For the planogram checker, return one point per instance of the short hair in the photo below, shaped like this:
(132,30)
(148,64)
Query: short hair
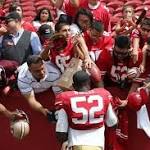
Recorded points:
(37,18)
(98,26)
(65,18)
(81,78)
(13,7)
(145,21)
(83,11)
(59,25)
(33,59)
(122,41)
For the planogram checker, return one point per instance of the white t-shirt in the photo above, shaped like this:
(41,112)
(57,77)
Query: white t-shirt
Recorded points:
(27,83)
(37,24)
(93,137)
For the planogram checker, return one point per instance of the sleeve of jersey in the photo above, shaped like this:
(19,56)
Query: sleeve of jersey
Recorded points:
(59,102)
(104,62)
(62,121)
(111,118)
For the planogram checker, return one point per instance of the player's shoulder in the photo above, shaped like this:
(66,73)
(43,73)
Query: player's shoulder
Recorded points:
(107,97)
(66,94)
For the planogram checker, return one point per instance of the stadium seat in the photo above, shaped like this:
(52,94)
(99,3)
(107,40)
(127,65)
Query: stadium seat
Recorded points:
(140,8)
(111,10)
(39,3)
(27,3)
(118,10)
(29,13)
(115,4)
(28,8)
(118,15)
(146,2)
(134,3)
(42,6)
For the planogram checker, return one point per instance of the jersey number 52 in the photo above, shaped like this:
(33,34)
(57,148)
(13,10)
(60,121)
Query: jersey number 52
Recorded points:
(88,113)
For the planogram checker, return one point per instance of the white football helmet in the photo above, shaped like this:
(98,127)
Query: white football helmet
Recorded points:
(19,127)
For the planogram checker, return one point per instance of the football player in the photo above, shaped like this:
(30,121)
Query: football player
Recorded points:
(63,56)
(83,113)
(119,72)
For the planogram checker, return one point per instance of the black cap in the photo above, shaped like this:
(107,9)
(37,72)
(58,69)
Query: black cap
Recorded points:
(81,77)
(46,30)
(12,16)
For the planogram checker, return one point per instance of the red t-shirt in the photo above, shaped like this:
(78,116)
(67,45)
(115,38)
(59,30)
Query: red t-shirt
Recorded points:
(85,110)
(62,59)
(28,26)
(95,49)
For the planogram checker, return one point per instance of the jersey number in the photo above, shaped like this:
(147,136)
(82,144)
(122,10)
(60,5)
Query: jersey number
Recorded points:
(88,114)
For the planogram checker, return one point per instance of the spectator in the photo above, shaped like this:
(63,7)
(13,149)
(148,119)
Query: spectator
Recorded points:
(99,11)
(139,36)
(97,40)
(45,32)
(2,26)
(127,24)
(83,21)
(62,57)
(17,8)
(43,17)
(37,77)
(18,44)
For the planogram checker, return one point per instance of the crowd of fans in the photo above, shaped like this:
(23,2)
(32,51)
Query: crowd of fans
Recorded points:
(31,63)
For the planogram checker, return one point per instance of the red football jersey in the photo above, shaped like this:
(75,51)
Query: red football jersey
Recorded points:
(95,49)
(85,110)
(62,59)
(115,69)
(100,13)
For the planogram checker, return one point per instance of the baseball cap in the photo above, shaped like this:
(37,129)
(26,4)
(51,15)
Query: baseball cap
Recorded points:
(81,77)
(46,30)
(12,16)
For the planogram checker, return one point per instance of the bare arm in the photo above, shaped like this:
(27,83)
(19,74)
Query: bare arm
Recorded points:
(57,3)
(4,111)
(34,103)
(79,40)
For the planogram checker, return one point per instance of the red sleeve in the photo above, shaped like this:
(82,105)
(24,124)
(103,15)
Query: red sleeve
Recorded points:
(28,26)
(70,9)
(104,62)
(109,42)
(59,101)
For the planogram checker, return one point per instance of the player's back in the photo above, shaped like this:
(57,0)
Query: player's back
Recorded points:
(85,110)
